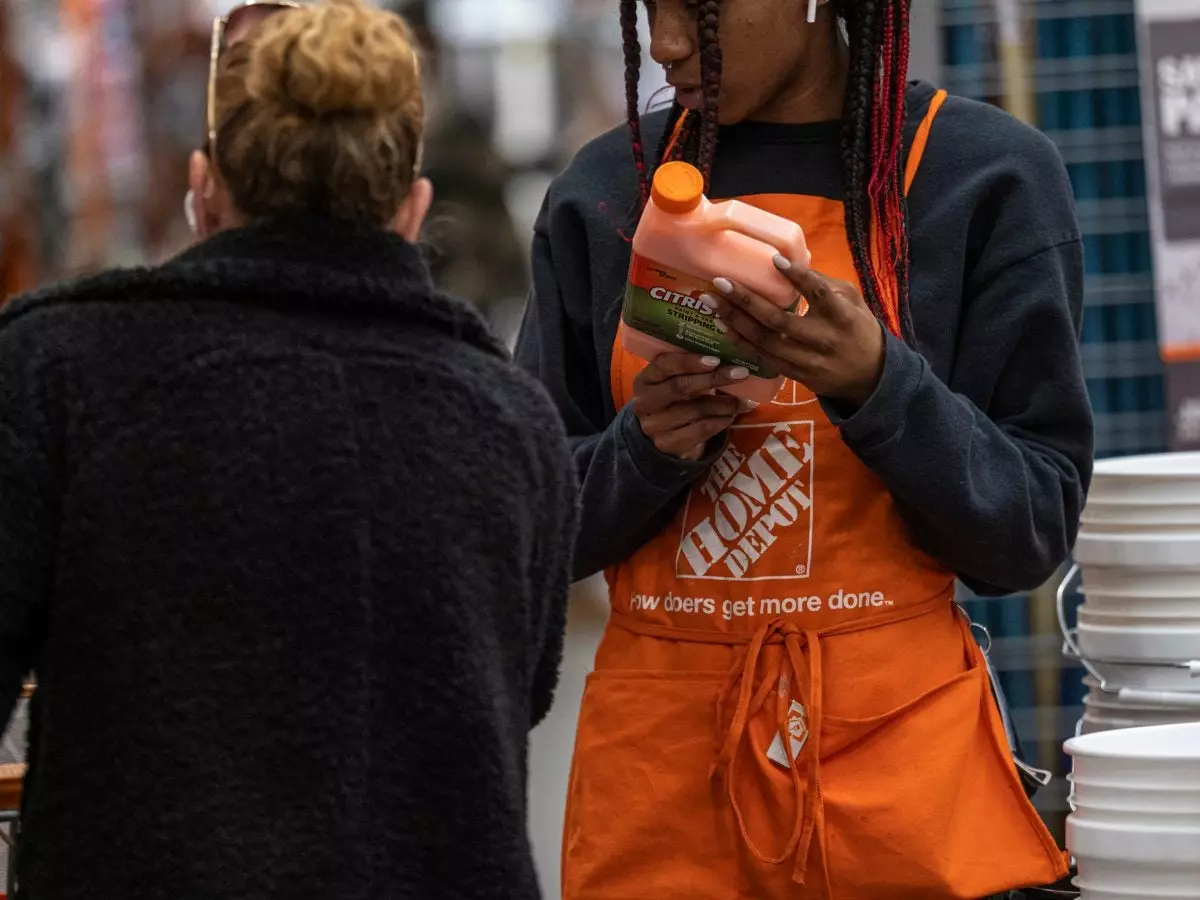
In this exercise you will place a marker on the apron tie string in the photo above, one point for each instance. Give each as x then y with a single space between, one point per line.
809 822
728 740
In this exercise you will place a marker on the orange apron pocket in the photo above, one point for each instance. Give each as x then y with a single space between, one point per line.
643 816
927 797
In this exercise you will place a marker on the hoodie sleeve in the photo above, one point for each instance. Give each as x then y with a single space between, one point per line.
627 488
27 508
990 467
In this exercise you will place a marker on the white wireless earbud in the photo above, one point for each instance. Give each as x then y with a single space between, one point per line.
189 212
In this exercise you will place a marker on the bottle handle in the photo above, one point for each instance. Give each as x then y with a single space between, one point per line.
762 226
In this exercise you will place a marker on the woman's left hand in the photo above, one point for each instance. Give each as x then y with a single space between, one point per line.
836 349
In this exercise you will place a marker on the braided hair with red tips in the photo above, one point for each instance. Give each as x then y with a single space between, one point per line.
633 71
872 128
709 20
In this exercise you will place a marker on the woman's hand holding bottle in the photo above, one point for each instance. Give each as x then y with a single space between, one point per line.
677 404
835 349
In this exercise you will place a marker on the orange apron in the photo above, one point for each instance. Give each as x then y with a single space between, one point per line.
787 702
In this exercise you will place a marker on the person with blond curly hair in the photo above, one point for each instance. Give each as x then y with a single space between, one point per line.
284 536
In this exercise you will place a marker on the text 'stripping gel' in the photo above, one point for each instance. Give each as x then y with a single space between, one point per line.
665 304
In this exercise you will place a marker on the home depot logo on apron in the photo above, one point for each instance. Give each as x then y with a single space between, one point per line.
758 491
786 702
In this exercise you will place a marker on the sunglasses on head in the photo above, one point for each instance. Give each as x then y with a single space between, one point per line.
227 31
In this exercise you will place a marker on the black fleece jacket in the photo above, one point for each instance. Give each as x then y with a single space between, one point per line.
286 539
982 431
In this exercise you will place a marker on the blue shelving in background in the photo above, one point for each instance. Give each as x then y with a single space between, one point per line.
1086 82
1085 76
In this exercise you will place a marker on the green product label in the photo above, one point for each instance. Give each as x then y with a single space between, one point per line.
665 304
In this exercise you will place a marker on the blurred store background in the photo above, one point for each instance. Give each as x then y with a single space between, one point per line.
101 100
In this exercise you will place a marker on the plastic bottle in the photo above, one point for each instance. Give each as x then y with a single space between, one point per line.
682 243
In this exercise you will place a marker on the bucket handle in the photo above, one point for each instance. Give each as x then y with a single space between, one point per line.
1189 699
1134 695
1070 645
1070 775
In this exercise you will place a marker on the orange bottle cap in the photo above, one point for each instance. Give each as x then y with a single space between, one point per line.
677 188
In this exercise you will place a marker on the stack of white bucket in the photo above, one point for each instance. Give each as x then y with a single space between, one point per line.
1135 829
1139 625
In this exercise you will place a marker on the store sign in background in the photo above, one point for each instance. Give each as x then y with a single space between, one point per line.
1170 56
1174 50
1183 403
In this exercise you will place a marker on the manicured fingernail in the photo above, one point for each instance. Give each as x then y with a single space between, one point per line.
782 263
710 361
724 285
720 326
739 373
748 405
711 300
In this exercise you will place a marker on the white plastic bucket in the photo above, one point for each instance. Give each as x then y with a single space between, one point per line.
1108 710
1138 861
1169 479
1135 831
1164 755
1102 703
1143 883
1138 584
1119 586
1179 806
1143 549
1101 516
1146 677
1093 722
1134 895
1137 608
1128 639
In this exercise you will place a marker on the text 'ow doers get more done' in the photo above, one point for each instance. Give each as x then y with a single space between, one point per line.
766 607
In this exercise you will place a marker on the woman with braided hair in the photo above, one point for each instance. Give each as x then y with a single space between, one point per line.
787 702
